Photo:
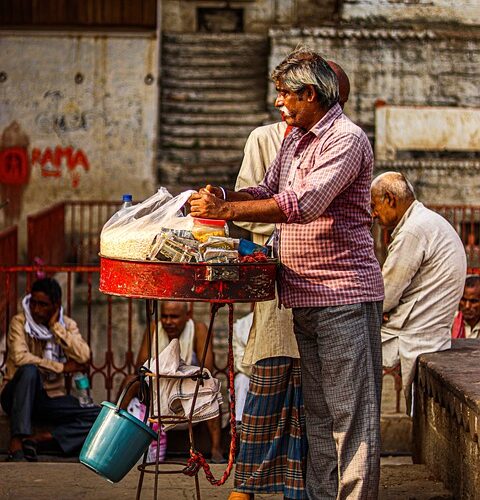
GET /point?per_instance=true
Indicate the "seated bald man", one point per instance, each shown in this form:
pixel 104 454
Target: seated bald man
pixel 424 274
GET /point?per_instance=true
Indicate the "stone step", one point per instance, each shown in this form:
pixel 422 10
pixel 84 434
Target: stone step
pixel 196 175
pixel 171 141
pixel 216 60
pixel 201 156
pixel 214 95
pixel 200 73
pixel 234 42
pixel 174 83
pixel 207 130
pixel 254 119
pixel 237 108
pixel 243 39
pixel 200 50
pixel 413 482
pixel 396 432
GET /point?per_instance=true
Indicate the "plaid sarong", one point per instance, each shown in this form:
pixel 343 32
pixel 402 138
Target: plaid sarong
pixel 273 442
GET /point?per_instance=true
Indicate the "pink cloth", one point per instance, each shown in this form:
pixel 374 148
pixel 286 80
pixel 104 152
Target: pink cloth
pixel 458 328
pixel 138 409
pixel 321 181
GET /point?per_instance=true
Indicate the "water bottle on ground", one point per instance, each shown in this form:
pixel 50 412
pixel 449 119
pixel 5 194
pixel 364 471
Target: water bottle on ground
pixel 82 386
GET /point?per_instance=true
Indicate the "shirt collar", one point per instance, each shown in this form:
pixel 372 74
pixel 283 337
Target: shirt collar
pixel 322 125
pixel 326 121
pixel 406 215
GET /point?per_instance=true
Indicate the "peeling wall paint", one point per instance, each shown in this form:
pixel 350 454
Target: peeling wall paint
pixel 460 11
pixel 409 128
pixel 85 110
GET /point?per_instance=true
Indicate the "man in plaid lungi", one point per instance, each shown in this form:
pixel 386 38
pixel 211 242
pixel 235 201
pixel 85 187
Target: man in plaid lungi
pixel 317 192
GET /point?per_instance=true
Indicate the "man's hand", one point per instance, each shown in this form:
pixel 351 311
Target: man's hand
pixel 208 205
pixel 54 317
pixel 72 366
pixel 216 191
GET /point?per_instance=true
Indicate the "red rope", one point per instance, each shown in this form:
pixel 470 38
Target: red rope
pixel 196 459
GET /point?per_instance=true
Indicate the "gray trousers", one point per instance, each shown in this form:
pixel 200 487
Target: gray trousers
pixel 341 360
pixel 24 399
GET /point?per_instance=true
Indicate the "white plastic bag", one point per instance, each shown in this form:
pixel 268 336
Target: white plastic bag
pixel 129 233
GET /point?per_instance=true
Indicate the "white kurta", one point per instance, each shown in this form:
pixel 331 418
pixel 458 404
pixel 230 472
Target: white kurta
pixel 424 275
pixel 271 334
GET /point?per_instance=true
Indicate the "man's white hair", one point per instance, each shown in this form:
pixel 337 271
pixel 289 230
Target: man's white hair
pixel 394 182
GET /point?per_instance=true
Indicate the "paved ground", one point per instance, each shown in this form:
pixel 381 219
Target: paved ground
pixel 65 481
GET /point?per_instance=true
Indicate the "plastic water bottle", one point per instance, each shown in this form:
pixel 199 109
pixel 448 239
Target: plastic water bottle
pixel 82 385
pixel 127 200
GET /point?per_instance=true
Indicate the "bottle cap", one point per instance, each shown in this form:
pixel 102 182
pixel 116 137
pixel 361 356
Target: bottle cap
pixel 126 197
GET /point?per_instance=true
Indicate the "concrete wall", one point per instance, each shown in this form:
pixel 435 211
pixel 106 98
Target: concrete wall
pixel 462 11
pixel 406 128
pixel 78 117
pixel 397 65
pixel 404 67
pixel 180 16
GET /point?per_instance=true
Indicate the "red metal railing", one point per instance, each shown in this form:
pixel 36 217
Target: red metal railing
pixel 46 235
pixel 464 219
pixel 83 223
pixel 8 293
pixel 112 326
pixel 8 246
pixel 68 232
pixel 112 348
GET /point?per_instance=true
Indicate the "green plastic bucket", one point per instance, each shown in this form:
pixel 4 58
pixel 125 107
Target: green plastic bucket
pixel 115 443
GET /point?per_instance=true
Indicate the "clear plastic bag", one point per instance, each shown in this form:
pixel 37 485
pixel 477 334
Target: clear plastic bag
pixel 129 233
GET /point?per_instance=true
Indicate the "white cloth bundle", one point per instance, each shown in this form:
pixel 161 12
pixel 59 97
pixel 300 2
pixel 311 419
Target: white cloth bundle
pixel 176 395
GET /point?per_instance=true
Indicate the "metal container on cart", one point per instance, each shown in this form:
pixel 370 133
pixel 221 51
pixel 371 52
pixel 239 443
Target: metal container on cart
pixel 224 283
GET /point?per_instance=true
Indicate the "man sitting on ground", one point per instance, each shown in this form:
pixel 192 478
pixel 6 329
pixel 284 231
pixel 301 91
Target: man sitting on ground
pixel 43 345
pixel 467 320
pixel 423 275
pixel 176 323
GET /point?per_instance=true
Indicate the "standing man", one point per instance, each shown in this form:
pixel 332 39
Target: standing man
pixel 274 460
pixel 317 191
pixel 467 319
pixel 424 274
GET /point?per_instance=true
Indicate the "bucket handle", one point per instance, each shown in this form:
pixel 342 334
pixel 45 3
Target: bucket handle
pixel 144 393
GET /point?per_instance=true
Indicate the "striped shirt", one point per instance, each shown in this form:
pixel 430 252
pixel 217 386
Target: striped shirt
pixel 321 181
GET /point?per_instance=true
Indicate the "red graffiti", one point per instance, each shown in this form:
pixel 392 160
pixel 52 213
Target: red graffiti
pixel 14 166
pixel 51 161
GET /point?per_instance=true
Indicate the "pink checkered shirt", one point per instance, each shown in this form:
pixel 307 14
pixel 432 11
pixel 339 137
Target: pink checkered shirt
pixel 321 181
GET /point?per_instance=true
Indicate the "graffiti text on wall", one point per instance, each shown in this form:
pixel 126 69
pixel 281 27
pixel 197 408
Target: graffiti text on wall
pixel 14 166
pixel 51 161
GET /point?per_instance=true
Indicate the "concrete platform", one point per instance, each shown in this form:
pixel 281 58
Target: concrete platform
pixel 400 480
pixel 447 416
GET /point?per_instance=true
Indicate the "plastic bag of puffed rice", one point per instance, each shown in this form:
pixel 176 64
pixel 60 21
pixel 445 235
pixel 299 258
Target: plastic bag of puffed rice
pixel 130 232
